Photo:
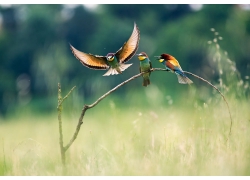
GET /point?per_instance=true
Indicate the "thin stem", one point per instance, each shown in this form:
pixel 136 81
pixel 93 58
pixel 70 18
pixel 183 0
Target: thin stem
pixel 115 88
pixel 86 107
pixel 62 99
pixel 220 94
pixel 231 119
pixel 59 109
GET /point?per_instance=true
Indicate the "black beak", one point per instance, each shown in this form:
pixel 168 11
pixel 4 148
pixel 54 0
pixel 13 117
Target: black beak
pixel 159 57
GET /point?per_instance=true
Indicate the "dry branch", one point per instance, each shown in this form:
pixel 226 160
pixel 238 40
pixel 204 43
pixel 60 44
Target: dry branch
pixel 231 122
pixel 59 109
pixel 86 107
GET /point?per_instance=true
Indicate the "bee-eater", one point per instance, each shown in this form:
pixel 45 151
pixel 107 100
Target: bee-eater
pixel 145 66
pixel 173 65
pixel 112 61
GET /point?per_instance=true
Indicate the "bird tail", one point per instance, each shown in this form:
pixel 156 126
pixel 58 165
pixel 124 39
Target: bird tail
pixel 124 66
pixel 117 70
pixel 183 79
pixel 145 82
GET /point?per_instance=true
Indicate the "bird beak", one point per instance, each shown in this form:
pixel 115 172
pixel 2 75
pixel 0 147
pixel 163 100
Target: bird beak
pixel 158 57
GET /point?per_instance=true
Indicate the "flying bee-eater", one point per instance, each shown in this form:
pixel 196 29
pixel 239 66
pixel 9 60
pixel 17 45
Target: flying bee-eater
pixel 145 66
pixel 173 65
pixel 112 61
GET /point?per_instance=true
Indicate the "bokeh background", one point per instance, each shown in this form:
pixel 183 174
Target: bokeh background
pixel 35 54
pixel 166 128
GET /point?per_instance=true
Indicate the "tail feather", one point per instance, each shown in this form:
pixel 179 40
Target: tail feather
pixel 145 82
pixel 124 66
pixel 183 79
pixel 111 71
pixel 118 70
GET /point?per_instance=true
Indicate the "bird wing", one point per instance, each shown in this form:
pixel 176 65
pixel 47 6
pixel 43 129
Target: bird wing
pixel 90 60
pixel 174 62
pixel 150 67
pixel 129 48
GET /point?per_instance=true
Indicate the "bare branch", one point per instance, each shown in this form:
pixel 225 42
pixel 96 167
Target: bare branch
pixel 78 127
pixel 231 123
pixel 59 109
pixel 65 97
pixel 86 107
pixel 115 88
pixel 220 94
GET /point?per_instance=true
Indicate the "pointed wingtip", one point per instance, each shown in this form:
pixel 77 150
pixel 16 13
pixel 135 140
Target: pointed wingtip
pixel 71 47
pixel 70 44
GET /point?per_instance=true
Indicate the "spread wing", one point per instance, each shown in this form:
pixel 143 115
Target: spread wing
pixel 90 60
pixel 129 48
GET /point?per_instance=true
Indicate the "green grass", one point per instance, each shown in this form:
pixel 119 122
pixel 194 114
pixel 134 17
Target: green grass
pixel 162 140
pixel 149 131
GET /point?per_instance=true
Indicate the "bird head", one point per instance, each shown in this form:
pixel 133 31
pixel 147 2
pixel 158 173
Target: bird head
pixel 142 56
pixel 164 57
pixel 110 56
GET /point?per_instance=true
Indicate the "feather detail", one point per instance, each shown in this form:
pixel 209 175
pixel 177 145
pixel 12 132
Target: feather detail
pixel 124 66
pixel 183 79
pixel 129 48
pixel 145 82
pixel 89 60
pixel 175 63
pixel 117 70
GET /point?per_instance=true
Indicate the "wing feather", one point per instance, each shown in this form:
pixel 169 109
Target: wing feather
pixel 90 60
pixel 175 63
pixel 129 48
pixel 150 67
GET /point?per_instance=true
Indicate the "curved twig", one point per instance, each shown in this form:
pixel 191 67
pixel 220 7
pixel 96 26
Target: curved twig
pixel 86 107
pixel 231 123
pixel 220 94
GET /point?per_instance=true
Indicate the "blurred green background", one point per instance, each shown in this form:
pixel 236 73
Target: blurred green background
pixel 35 53
pixel 166 128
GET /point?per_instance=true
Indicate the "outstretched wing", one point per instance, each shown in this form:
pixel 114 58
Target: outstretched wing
pixel 129 48
pixel 90 60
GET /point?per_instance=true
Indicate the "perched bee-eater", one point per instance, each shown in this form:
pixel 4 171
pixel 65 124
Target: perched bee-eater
pixel 173 65
pixel 145 65
pixel 112 61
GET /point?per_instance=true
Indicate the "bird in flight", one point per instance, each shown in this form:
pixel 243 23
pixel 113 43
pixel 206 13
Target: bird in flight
pixel 114 62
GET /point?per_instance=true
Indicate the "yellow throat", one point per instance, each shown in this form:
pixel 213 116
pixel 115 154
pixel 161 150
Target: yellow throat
pixel 141 58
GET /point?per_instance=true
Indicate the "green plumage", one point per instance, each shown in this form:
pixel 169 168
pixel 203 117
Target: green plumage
pixel 145 65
